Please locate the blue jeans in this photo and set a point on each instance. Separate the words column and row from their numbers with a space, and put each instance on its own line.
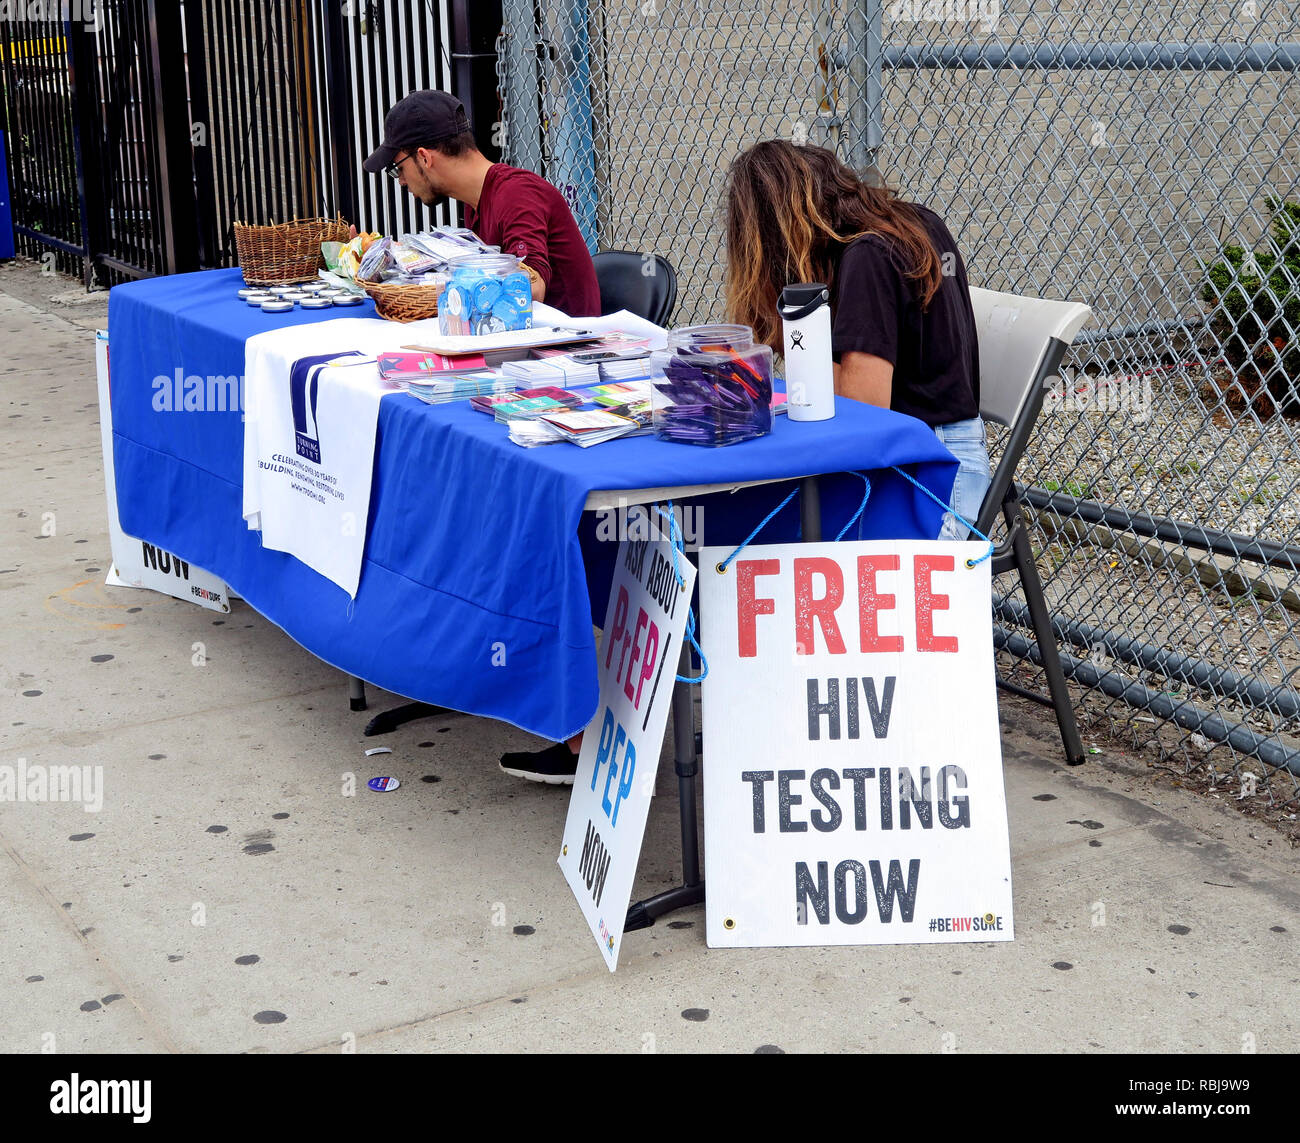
column 965, row 440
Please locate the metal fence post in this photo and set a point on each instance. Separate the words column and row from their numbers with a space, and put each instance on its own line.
column 338, row 72
column 86, row 131
column 570, row 127
column 174, row 195
column 517, row 67
column 201, row 137
column 474, row 31
column 866, row 51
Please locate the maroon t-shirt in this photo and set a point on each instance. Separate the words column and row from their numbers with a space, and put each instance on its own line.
column 523, row 214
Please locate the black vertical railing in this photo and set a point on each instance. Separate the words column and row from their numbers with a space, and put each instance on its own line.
column 475, row 26
column 136, row 141
column 339, row 117
column 84, row 92
column 41, row 142
column 196, row 69
column 172, row 175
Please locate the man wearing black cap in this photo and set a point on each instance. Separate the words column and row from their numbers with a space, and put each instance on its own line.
column 429, row 148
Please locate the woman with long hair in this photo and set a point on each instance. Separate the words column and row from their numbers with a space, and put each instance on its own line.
column 902, row 328
column 902, row 332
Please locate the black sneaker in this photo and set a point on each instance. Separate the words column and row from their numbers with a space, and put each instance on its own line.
column 556, row 765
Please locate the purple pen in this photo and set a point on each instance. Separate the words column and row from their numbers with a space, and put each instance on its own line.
column 714, row 387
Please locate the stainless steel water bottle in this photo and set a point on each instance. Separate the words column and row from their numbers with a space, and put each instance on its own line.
column 809, row 372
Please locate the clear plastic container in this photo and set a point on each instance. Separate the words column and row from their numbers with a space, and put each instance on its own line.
column 487, row 293
column 712, row 387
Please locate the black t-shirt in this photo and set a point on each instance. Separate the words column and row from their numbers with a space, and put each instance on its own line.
column 875, row 309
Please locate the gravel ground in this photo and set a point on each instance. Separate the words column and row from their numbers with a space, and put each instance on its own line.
column 1168, row 442
column 1164, row 442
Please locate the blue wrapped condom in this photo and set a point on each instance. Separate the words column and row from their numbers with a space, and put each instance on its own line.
column 519, row 290
column 487, row 293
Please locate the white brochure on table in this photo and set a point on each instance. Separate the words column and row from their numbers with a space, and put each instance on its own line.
column 853, row 767
column 615, row 781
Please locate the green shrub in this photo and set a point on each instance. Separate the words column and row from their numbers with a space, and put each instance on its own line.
column 1257, row 296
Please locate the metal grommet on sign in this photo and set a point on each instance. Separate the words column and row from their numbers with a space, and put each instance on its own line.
column 970, row 563
column 721, row 569
column 729, row 923
column 564, row 852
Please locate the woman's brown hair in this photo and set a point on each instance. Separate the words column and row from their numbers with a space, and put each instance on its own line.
column 791, row 210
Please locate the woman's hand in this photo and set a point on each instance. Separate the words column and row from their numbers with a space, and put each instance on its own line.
column 865, row 377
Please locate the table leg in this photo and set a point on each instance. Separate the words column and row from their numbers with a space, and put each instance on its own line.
column 810, row 510
column 642, row 914
column 356, row 693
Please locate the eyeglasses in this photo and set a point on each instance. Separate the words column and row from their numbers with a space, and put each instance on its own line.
column 392, row 170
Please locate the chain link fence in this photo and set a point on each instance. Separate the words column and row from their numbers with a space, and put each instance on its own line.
column 1141, row 157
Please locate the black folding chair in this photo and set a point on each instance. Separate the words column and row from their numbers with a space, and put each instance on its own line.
column 643, row 284
column 1021, row 344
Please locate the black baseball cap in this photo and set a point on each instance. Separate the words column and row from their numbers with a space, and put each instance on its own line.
column 422, row 117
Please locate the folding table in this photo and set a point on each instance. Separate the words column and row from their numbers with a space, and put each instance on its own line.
column 471, row 541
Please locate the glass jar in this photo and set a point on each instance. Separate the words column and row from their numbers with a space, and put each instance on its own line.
column 487, row 293
column 713, row 386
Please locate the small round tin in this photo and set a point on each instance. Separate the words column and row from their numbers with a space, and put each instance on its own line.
column 348, row 300
column 258, row 299
column 314, row 287
column 293, row 296
column 250, row 290
column 316, row 303
column 278, row 306
column 280, row 291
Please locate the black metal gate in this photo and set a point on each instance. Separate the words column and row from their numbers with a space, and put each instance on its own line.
column 140, row 131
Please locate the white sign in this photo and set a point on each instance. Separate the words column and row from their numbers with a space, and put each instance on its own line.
column 615, row 779
column 852, row 765
column 135, row 563
column 311, row 417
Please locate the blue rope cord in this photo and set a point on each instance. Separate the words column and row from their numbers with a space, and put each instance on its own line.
column 676, row 544
column 675, row 538
column 949, row 508
column 722, row 567
column 866, row 495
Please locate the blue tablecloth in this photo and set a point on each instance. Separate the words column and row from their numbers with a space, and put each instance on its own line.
column 481, row 574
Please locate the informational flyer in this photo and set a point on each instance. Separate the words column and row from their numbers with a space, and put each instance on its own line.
column 615, row 780
column 852, row 763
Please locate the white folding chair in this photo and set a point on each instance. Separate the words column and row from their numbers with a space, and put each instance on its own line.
column 1021, row 344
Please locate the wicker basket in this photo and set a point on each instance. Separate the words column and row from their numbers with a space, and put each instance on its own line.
column 414, row 303
column 403, row 303
column 280, row 255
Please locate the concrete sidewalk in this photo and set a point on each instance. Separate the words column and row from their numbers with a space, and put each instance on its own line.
column 227, row 898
